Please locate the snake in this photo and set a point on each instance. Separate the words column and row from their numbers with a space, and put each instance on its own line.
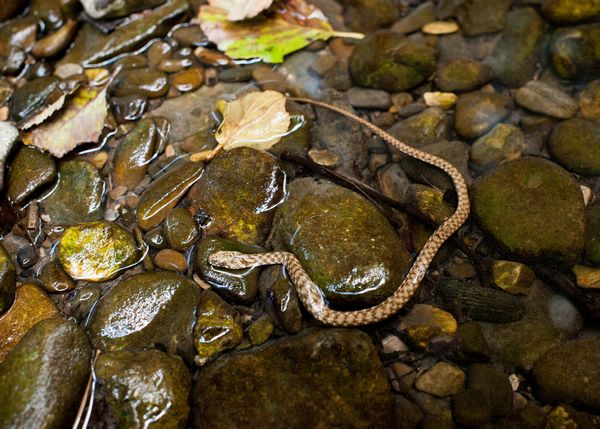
column 311, row 295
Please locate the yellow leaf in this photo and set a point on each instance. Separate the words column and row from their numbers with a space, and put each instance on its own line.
column 238, row 10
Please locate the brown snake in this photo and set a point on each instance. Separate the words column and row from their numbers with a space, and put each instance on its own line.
column 309, row 293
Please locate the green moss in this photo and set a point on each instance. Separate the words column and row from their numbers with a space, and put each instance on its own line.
column 570, row 11
column 575, row 144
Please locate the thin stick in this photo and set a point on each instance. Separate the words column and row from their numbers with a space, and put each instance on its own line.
column 88, row 396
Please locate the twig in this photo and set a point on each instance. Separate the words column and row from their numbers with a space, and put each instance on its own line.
column 88, row 397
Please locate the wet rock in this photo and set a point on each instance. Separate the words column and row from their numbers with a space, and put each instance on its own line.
column 388, row 61
column 443, row 379
column 553, row 229
column 512, row 277
column 565, row 416
column 137, row 149
column 417, row 18
column 78, row 196
column 96, row 251
column 56, row 42
column 279, row 294
column 503, row 143
column 470, row 409
column 20, row 33
column 217, row 327
column 145, row 389
column 188, row 80
column 31, row 96
column 260, row 330
column 424, row 323
column 477, row 112
column 361, row 98
column 482, row 16
column 587, row 277
column 319, row 221
column 320, row 369
column 589, row 101
column 145, row 82
column 55, row 280
column 564, row 12
column 156, row 238
column 492, row 383
column 427, row 127
column 240, row 285
column 11, row 8
column 8, row 137
column 165, row 192
column 42, row 380
column 30, row 170
column 239, row 191
column 570, row 373
column 473, row 345
column 8, row 278
column 180, row 229
column 573, row 52
column 592, row 234
column 171, row 260
column 460, row 75
column 147, row 310
column 93, row 47
column 406, row 414
column 541, row 97
column 27, row 256
column 516, row 55
column 114, row 9
column 575, row 144
column 369, row 15
column 130, row 108
column 394, row 183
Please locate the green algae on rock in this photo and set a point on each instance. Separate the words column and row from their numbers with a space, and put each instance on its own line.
column 564, row 12
column 533, row 209
column 145, row 389
column 429, row 126
column 390, row 62
column 96, row 251
column 574, row 51
column 503, row 143
column 369, row 15
column 146, row 310
column 180, row 229
column 482, row 16
column 79, row 195
column 42, row 380
column 575, row 144
column 8, row 280
column 334, row 373
column 460, row 75
column 345, row 244
column 30, row 170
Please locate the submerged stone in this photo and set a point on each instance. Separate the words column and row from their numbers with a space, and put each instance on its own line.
column 564, row 12
column 575, row 144
column 180, row 229
column 574, row 52
column 541, row 97
column 429, row 126
column 589, row 101
column 592, row 234
column 8, row 280
column 462, row 75
column 347, row 247
column 503, row 143
column 32, row 95
column 335, row 374
column 145, row 82
column 477, row 112
column 369, row 15
column 30, row 170
column 482, row 16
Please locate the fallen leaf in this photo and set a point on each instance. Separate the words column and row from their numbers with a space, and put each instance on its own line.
column 238, row 10
column 81, row 120
column 292, row 26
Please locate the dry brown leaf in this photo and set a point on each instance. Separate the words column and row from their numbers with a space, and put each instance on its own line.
column 238, row 10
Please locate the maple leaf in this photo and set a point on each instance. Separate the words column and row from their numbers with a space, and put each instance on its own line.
column 238, row 10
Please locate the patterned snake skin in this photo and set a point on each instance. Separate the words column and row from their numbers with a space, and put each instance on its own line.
column 311, row 296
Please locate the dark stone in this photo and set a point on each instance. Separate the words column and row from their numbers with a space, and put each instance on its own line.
column 31, row 96
column 575, row 144
column 8, row 280
column 30, row 170
column 574, row 52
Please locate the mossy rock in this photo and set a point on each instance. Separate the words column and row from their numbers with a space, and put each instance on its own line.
column 345, row 244
column 574, row 52
column 459, row 75
column 370, row 15
column 575, row 144
column 482, row 16
column 335, row 374
column 592, row 234
column 565, row 12
column 427, row 127
column 533, row 209
column 180, row 229
column 8, row 280
column 388, row 61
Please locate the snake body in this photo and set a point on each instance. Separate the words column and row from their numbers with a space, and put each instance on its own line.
column 309, row 293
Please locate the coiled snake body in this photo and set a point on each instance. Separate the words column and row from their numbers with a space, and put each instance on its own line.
column 312, row 297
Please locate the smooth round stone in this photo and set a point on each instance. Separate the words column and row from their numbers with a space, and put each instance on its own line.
column 442, row 379
column 589, row 101
column 32, row 96
column 145, row 388
column 239, row 191
column 390, row 62
column 129, row 108
column 503, row 143
column 573, row 51
column 482, row 16
column 145, row 82
column 56, row 42
column 30, row 170
column 11, row 7
column 512, row 277
column 171, row 260
column 55, row 280
column 460, row 75
column 190, row 35
column 31, row 305
column 370, row 15
column 180, row 229
column 425, row 323
column 592, row 234
column 477, row 112
column 165, row 192
column 260, row 330
column 279, row 295
column 43, row 379
column 8, row 280
column 156, row 238
column 564, row 12
column 424, row 128
column 533, row 209
column 541, row 97
column 188, row 80
column 96, row 251
column 146, row 310
column 347, row 247
column 575, row 144
column 19, row 32
column 78, row 196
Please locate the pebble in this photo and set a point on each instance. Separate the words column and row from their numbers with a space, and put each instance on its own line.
column 589, row 101
column 180, row 229
column 570, row 55
column 512, row 277
column 440, row 27
column 443, row 379
column 393, row 344
column 324, row 157
column 424, row 323
column 416, row 19
column 503, row 143
column 260, row 330
column 541, row 97
column 55, row 280
column 477, row 112
column 280, row 297
column 145, row 82
column 8, row 137
column 362, row 98
column 171, row 260
column 445, row 100
column 8, row 277
column 188, row 80
column 56, row 42
column 575, row 144
column 482, row 16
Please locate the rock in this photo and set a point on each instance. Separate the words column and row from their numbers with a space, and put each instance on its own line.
column 570, row 372
column 238, row 191
column 137, row 149
column 406, row 414
column 55, row 280
column 429, row 126
column 31, row 305
column 565, row 12
column 442, row 379
column 473, row 345
column 42, row 380
column 8, row 137
column 445, row 100
column 440, row 28
column 20, row 33
column 512, row 277
column 575, row 144
column 180, row 229
column 587, row 277
column 503, row 143
column 324, row 157
column 553, row 229
column 56, row 42
column 164, row 193
column 78, row 196
column 573, row 52
column 565, row 416
column 592, row 234
column 478, row 112
column 279, row 295
column 541, row 97
column 30, row 170
column 424, row 323
column 361, row 98
column 394, row 183
column 217, row 327
column 31, row 96
column 8, row 279
column 491, row 383
column 388, row 61
column 145, row 389
column 260, row 330
column 149, row 309
column 430, row 203
column 239, row 285
column 470, row 409
column 188, row 80
column 130, row 108
column 417, row 18
column 96, row 251
column 369, row 15
column 296, row 73
column 318, row 222
column 92, row 47
column 589, row 101
column 171, row 260
column 115, row 9
column 144, row 82
column 320, row 369
column 11, row 8
column 516, row 56
column 482, row 16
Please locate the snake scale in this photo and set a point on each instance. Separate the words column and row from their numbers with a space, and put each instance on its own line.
column 311, row 296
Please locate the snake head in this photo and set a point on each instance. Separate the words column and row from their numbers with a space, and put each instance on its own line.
column 224, row 258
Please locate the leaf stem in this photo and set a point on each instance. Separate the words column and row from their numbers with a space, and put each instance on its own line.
column 347, row 34
column 206, row 155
